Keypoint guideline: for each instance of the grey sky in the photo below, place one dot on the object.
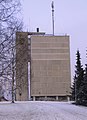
(70, 18)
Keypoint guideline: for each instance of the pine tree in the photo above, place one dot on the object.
(78, 79)
(73, 90)
(84, 90)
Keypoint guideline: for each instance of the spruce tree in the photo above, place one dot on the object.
(78, 79)
(84, 90)
(73, 90)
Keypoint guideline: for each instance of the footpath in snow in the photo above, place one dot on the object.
(42, 111)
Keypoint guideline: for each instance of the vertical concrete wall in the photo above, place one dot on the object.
(22, 66)
(50, 66)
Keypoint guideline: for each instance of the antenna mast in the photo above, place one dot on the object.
(52, 5)
(86, 62)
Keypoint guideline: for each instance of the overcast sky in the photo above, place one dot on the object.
(70, 19)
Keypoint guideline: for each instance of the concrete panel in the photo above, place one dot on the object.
(50, 64)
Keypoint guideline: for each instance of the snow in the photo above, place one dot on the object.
(42, 110)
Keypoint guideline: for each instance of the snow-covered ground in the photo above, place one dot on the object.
(42, 111)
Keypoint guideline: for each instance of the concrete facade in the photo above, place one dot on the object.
(22, 66)
(50, 66)
(50, 75)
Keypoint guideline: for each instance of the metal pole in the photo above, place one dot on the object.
(53, 16)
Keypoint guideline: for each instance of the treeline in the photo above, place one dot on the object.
(79, 87)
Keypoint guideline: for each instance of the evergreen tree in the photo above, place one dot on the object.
(84, 90)
(73, 90)
(78, 80)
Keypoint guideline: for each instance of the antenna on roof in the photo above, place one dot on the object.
(52, 5)
(86, 55)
